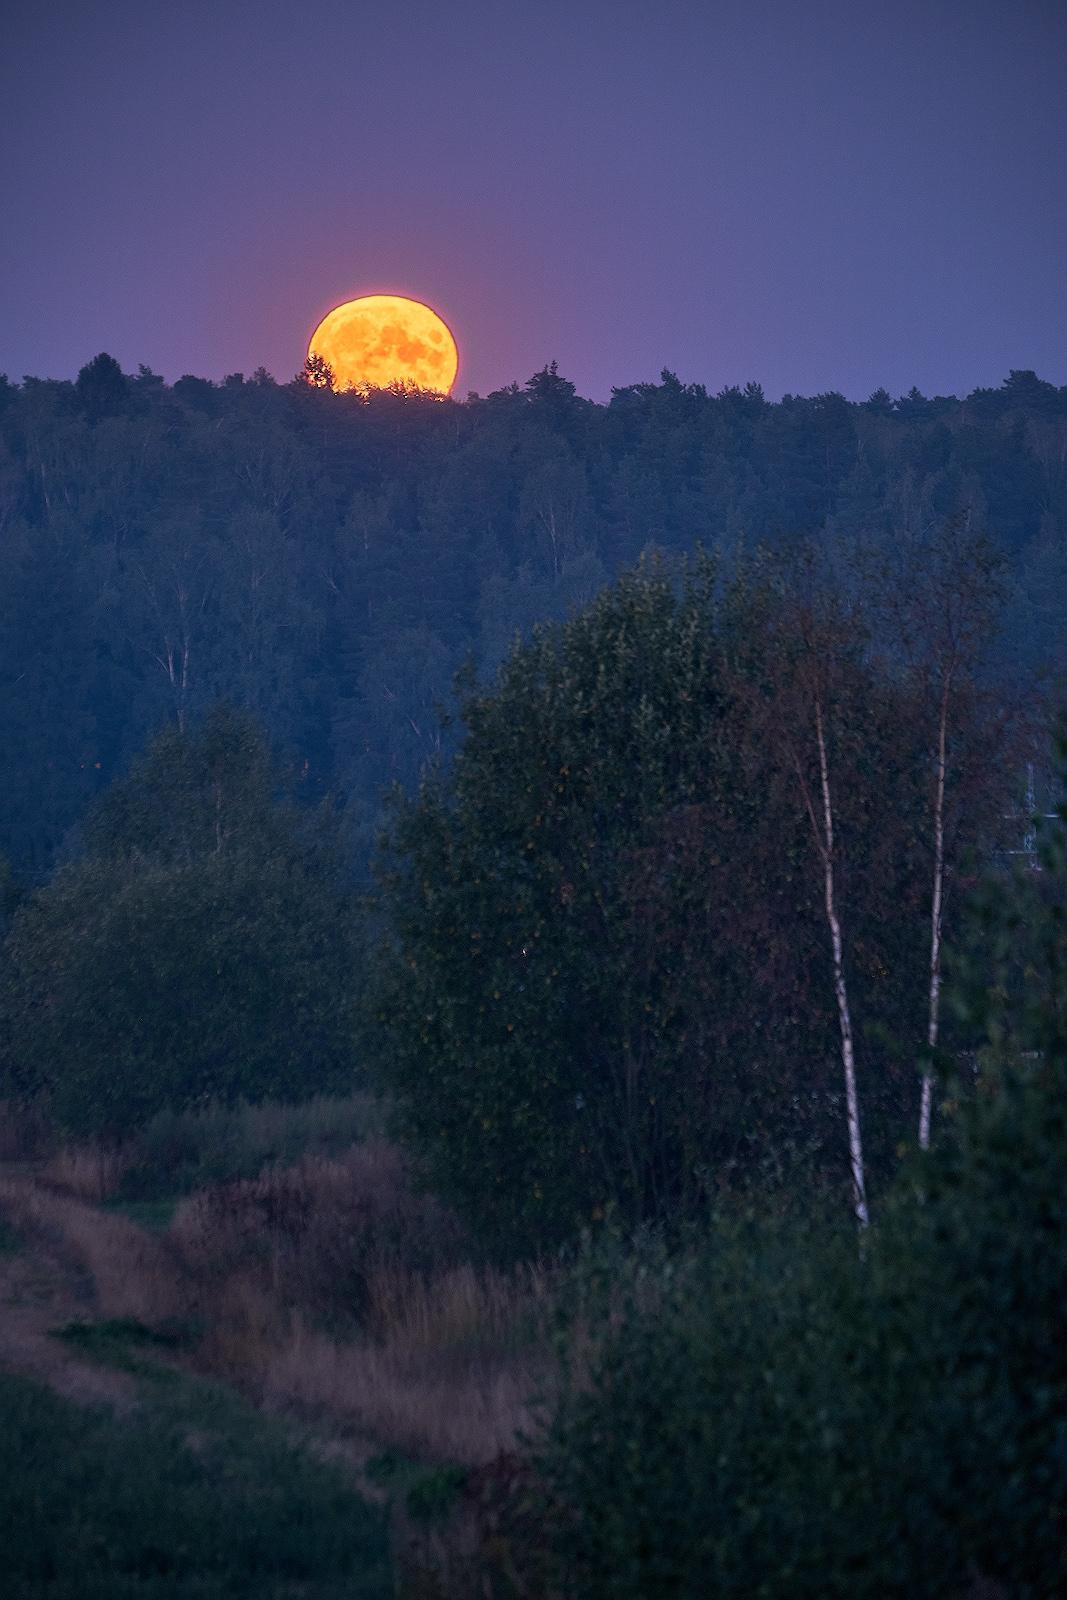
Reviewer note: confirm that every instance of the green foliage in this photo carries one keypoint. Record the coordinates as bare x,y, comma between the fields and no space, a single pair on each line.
432,1495
99,1508
777,1414
124,1342
714,1447
201,950
101,389
428,1493
176,1152
190,796
781,1417
10,896
608,984
1011,987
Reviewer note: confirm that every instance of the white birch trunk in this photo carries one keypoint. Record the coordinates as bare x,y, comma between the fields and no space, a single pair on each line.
844,1014
936,902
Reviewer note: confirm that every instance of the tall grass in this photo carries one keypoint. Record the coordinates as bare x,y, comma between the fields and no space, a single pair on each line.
126,1272
332,1285
178,1152
450,1374
336,1286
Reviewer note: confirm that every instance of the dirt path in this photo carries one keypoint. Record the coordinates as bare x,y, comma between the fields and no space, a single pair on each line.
37,1295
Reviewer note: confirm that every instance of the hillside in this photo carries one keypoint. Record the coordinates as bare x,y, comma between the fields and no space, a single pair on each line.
329,563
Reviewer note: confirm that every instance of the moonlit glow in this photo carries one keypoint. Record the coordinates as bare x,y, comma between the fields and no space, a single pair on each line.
382,339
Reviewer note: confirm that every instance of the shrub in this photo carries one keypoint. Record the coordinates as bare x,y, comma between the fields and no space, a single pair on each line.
778,1416
202,950
95,1508
178,1151
779,1413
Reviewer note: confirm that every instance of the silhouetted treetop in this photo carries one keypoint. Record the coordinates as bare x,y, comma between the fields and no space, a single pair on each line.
101,389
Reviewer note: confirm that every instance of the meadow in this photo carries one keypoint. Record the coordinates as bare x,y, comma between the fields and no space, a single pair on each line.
269,1272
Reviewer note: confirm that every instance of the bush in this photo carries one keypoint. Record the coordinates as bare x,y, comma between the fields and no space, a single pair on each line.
203,950
717,1444
178,1151
779,1416
97,1508
780,1413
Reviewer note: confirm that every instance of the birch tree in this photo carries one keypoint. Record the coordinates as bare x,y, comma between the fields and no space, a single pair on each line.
941,593
554,508
813,658
172,579
799,662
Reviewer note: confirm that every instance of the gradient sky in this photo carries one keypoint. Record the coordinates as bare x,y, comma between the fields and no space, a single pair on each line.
811,194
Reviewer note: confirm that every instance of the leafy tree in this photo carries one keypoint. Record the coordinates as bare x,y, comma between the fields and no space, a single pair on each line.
202,949
939,598
802,700
552,395
1011,984
607,985
48,709
770,1413
10,894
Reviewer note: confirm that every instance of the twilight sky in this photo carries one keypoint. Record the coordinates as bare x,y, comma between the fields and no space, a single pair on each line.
814,194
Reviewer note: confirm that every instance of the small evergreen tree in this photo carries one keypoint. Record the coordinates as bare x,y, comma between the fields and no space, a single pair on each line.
102,389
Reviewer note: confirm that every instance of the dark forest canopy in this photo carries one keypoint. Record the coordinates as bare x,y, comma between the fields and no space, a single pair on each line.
328,561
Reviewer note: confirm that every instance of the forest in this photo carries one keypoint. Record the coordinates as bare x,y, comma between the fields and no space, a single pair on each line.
330,563
533,996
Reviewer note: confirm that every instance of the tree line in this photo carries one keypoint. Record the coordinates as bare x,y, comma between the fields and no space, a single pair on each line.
328,561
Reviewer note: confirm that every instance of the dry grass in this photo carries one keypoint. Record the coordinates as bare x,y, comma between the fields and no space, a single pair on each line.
127,1272
449,1374
461,1309
180,1151
334,1290
332,1286
315,1234
92,1172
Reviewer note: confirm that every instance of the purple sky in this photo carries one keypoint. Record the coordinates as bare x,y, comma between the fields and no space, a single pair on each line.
812,194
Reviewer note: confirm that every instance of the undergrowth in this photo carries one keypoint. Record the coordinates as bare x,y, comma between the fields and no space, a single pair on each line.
194,1500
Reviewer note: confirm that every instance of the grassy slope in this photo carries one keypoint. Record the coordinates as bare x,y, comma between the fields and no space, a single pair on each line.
190,1495
325,1290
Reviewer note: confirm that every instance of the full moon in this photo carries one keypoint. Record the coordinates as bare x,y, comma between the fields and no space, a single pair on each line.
382,339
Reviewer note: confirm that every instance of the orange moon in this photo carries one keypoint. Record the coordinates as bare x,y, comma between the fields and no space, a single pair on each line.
384,338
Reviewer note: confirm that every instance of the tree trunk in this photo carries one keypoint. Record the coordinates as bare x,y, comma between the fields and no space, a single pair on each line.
936,903
844,1014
